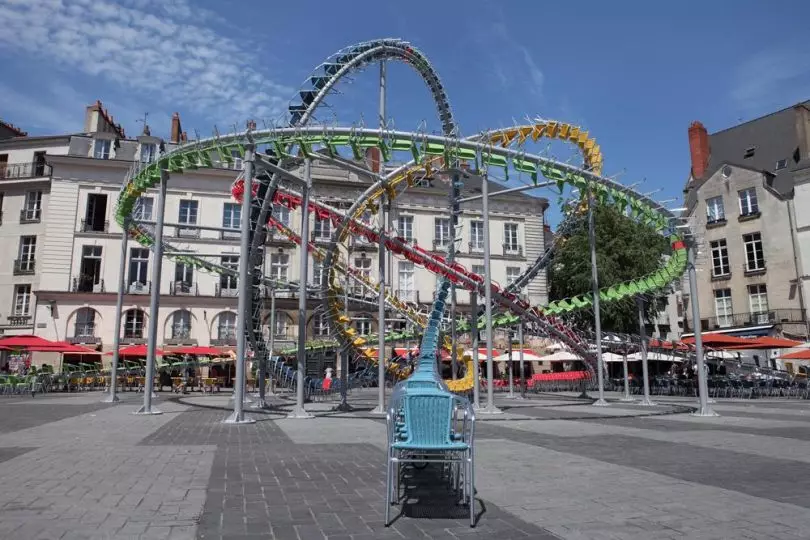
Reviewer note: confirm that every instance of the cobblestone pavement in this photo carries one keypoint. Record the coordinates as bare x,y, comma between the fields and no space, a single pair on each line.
550,467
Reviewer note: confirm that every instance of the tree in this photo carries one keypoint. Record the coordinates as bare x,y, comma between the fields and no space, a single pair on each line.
625,250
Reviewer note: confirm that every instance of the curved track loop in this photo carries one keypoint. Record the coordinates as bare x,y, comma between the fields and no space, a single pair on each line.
503,149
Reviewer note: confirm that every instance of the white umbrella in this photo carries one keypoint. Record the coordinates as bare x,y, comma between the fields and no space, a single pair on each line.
482,353
528,356
655,356
555,346
560,356
613,357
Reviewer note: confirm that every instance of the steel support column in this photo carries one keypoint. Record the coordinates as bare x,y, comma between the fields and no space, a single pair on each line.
119,306
299,411
626,397
522,368
703,394
600,363
511,366
380,408
243,302
490,408
642,331
154,300
474,341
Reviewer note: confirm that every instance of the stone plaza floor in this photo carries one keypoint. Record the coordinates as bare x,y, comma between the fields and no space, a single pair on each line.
550,467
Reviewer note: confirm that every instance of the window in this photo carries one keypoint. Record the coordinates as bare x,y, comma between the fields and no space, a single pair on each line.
282,322
754,256
134,323
32,210
90,269
781,164
39,163
512,273
228,282
226,329
317,273
323,228
27,254
363,324
748,201
95,216
749,152
405,228
510,237
720,265
407,289
181,324
441,233
231,219
101,148
714,210
758,302
363,266
148,151
477,235
143,208
85,323
188,216
478,269
183,278
321,325
722,308
281,214
22,300
279,263
138,267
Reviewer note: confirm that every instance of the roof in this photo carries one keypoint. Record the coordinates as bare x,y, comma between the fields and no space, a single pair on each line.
12,130
772,137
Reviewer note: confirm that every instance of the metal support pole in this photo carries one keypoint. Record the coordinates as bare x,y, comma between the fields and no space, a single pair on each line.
380,408
703,394
272,345
154,300
474,341
600,364
626,396
243,303
510,367
522,370
299,411
261,394
451,256
642,331
490,408
119,306
344,360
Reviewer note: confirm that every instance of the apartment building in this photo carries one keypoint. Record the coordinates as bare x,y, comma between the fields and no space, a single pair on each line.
57,195
741,196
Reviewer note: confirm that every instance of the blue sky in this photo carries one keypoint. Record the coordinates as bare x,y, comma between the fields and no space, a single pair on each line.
635,74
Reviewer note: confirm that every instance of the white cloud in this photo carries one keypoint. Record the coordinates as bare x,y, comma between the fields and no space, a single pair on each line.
61,111
158,50
774,77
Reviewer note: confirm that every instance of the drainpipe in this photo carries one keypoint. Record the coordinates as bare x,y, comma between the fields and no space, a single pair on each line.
799,287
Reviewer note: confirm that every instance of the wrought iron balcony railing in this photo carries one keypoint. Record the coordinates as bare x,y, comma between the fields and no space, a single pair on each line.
30,215
94,226
21,171
87,284
741,320
184,288
24,266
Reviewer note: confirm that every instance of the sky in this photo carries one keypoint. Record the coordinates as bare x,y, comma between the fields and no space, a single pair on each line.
633,73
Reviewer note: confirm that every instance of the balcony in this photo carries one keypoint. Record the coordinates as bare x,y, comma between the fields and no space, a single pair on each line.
742,320
139,288
24,267
87,284
94,226
228,340
512,250
134,339
232,290
21,171
230,235
19,320
30,215
84,334
182,232
184,288
181,335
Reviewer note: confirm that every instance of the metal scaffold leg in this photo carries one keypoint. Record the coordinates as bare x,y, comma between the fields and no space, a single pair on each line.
490,408
600,362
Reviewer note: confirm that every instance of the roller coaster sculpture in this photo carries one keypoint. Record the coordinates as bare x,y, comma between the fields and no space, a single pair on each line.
281,150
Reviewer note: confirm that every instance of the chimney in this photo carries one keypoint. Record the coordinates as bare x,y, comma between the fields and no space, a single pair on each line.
251,125
177,131
698,149
373,159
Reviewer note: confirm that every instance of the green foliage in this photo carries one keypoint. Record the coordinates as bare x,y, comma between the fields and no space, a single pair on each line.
625,250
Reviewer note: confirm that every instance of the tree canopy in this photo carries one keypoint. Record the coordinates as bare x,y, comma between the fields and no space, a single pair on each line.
625,250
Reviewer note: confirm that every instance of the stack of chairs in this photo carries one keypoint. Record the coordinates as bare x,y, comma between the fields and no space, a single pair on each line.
429,424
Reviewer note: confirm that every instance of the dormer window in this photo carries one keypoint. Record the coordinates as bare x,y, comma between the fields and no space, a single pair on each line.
781,164
749,152
101,149
148,151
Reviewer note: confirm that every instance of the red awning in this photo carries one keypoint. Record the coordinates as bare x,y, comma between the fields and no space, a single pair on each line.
25,342
197,351
135,350
62,347
668,345
798,355
719,341
768,342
